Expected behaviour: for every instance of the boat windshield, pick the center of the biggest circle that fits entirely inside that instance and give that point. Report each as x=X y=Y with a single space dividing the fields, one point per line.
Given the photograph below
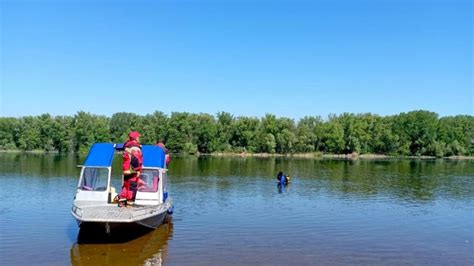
x=94 y=179
x=149 y=179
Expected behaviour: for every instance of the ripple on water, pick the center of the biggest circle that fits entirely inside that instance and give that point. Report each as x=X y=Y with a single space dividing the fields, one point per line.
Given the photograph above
x=230 y=212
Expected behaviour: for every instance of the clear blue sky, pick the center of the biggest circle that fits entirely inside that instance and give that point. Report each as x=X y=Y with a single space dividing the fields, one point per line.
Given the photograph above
x=288 y=58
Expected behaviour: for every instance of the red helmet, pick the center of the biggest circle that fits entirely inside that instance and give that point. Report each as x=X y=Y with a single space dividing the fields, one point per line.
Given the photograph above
x=134 y=135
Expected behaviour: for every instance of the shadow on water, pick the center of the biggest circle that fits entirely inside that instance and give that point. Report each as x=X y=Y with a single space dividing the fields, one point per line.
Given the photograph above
x=98 y=235
x=122 y=248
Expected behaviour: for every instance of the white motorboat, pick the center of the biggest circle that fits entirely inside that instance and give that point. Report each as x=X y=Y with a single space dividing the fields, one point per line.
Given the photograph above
x=94 y=200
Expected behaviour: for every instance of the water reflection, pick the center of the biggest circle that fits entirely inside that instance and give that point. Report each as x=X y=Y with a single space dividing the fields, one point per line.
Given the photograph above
x=334 y=212
x=283 y=188
x=420 y=180
x=412 y=180
x=140 y=247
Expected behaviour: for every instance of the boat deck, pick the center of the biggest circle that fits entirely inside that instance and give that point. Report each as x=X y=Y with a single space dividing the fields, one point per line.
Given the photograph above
x=113 y=213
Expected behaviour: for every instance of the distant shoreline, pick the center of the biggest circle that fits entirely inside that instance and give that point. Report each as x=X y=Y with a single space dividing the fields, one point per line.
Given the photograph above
x=352 y=156
x=315 y=155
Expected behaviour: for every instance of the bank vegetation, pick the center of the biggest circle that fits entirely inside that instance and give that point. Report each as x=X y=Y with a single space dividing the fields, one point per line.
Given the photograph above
x=416 y=133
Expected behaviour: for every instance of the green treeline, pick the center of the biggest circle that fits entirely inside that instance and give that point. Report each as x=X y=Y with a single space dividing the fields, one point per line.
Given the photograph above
x=414 y=133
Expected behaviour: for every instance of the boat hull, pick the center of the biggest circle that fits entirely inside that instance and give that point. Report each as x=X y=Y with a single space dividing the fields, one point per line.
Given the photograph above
x=154 y=221
x=111 y=217
x=145 y=224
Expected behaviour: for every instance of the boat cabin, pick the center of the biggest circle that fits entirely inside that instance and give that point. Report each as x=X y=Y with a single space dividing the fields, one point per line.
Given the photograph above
x=95 y=181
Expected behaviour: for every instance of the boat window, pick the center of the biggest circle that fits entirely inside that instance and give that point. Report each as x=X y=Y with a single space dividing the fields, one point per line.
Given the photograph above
x=165 y=181
x=95 y=179
x=149 y=180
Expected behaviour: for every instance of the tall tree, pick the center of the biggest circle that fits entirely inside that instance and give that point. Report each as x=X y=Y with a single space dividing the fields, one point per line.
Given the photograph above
x=8 y=125
x=224 y=131
x=418 y=130
x=308 y=134
x=244 y=131
x=89 y=129
x=123 y=123
x=333 y=136
x=180 y=133
x=204 y=132
x=29 y=136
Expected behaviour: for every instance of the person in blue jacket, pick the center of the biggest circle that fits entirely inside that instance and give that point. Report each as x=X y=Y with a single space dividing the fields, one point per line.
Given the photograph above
x=282 y=178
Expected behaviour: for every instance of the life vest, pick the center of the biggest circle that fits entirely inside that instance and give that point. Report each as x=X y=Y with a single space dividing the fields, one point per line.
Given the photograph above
x=132 y=158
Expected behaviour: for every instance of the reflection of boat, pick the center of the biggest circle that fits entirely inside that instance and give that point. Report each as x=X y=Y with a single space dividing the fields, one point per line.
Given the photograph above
x=93 y=204
x=99 y=248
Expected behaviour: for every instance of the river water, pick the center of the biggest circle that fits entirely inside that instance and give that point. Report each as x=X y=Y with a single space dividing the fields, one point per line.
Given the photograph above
x=230 y=211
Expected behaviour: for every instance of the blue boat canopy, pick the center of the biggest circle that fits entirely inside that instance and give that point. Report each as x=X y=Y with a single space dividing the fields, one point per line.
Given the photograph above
x=153 y=156
x=100 y=155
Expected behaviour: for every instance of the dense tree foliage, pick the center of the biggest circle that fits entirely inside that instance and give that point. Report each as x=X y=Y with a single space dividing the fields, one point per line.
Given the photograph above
x=414 y=133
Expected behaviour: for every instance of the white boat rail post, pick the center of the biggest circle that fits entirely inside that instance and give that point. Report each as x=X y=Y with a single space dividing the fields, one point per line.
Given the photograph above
x=121 y=185
x=160 y=186
x=165 y=184
x=109 y=188
x=81 y=176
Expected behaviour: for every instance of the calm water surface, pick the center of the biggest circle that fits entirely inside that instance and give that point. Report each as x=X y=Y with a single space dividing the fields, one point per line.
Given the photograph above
x=229 y=211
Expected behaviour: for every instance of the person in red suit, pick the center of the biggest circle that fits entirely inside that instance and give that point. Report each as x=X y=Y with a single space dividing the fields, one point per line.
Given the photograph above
x=161 y=144
x=131 y=167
